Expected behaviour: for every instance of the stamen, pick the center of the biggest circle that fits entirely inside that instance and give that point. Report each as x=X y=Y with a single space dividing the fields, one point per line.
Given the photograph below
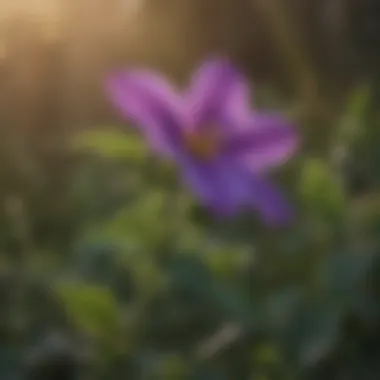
x=204 y=144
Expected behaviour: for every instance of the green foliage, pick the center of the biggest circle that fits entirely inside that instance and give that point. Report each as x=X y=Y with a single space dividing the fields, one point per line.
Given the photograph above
x=111 y=143
x=155 y=288
x=351 y=124
x=320 y=189
x=91 y=308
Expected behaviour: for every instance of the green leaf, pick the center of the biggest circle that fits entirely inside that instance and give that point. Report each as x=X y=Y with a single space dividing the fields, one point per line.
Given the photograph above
x=266 y=354
x=359 y=101
x=148 y=278
x=222 y=261
x=320 y=189
x=137 y=224
x=92 y=308
x=172 y=367
x=111 y=143
x=354 y=116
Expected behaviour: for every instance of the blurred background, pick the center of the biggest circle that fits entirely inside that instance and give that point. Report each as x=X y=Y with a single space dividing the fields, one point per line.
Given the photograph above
x=110 y=270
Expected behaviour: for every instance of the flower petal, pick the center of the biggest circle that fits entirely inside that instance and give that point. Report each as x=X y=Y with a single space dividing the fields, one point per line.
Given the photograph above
x=270 y=141
x=215 y=185
x=226 y=188
x=150 y=102
x=218 y=93
x=269 y=202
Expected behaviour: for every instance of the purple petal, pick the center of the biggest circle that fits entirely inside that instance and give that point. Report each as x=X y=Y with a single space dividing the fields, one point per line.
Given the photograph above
x=226 y=188
x=151 y=103
x=270 y=202
x=270 y=141
x=218 y=93
x=212 y=185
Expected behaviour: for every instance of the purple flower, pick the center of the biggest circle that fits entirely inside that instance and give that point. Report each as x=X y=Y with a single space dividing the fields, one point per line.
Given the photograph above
x=222 y=147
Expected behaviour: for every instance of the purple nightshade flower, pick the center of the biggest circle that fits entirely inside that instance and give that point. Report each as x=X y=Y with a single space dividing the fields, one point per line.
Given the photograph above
x=222 y=147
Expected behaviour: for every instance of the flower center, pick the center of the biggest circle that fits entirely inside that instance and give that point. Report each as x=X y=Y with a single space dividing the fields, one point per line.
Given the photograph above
x=204 y=144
